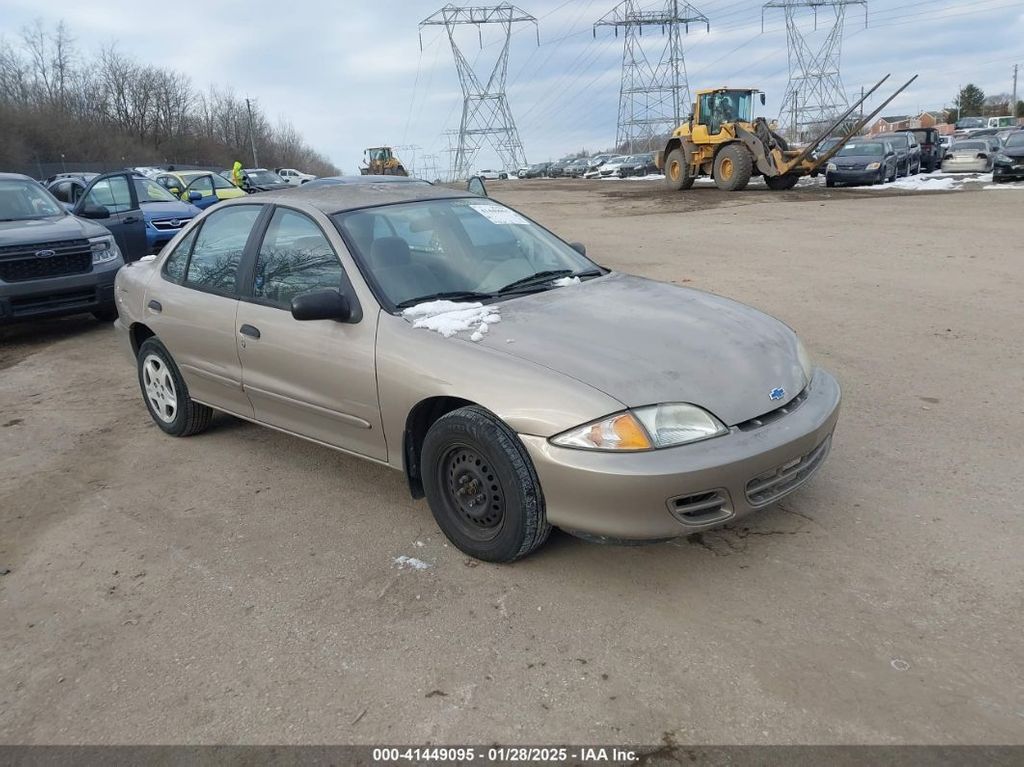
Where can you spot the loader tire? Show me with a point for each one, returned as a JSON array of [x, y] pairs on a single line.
[[781, 183], [733, 168], [677, 171]]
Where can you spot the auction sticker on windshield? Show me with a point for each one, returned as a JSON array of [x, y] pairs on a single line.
[[496, 214]]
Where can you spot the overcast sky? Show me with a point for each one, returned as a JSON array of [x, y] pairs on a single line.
[[350, 74]]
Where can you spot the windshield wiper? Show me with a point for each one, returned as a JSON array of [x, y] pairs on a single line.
[[547, 276], [450, 295]]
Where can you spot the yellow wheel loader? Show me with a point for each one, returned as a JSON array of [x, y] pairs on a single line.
[[723, 140], [381, 161]]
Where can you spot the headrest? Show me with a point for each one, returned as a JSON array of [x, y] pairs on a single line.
[[389, 252]]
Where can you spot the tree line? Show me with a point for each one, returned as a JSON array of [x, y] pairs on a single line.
[[58, 102], [971, 101]]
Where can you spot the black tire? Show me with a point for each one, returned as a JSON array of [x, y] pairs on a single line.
[[828, 182], [783, 183], [502, 516], [677, 171], [106, 314], [733, 168], [894, 175], [188, 417]]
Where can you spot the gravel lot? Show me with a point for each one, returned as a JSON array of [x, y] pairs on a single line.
[[240, 586]]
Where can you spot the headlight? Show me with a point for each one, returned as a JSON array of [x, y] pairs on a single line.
[[104, 249], [1002, 159], [874, 166], [645, 428], [805, 361], [831, 166]]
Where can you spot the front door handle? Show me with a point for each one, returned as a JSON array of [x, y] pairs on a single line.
[[130, 220], [155, 305], [249, 330]]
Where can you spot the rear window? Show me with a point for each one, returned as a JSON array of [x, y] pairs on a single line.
[[962, 146]]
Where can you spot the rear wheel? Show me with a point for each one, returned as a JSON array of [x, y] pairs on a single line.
[[733, 168], [677, 171], [782, 183], [481, 486]]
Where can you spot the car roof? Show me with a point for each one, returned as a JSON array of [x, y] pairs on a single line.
[[338, 198], [15, 176]]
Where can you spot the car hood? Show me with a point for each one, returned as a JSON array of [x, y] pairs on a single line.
[[645, 342], [1016, 152], [48, 230], [170, 210]]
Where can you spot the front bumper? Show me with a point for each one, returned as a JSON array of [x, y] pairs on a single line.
[[57, 296], [677, 491], [845, 176], [1008, 172]]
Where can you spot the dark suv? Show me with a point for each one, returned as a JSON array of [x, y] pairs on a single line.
[[931, 149], [52, 262], [908, 152]]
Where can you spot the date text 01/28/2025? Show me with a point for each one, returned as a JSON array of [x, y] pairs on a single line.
[[500, 754]]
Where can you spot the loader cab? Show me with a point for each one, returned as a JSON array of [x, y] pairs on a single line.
[[718, 107]]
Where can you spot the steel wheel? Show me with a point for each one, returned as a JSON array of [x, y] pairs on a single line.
[[727, 168], [160, 389], [472, 492]]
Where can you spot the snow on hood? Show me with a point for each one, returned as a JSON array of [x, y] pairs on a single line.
[[451, 317]]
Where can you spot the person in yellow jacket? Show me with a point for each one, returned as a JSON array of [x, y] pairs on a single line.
[[236, 174]]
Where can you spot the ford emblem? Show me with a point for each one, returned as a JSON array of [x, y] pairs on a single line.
[[45, 253], [776, 394]]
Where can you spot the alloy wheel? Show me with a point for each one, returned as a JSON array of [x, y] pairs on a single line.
[[160, 390]]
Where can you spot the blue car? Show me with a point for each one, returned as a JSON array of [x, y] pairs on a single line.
[[164, 213]]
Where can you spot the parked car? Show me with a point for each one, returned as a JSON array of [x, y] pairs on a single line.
[[577, 168], [492, 175], [163, 213], [556, 169], [945, 142], [51, 262], [537, 171], [611, 168], [360, 179], [294, 177], [522, 171], [862, 162], [969, 156], [1009, 163], [908, 152], [965, 126], [202, 188], [825, 146], [260, 180], [263, 305], [931, 148], [68, 187], [638, 165]]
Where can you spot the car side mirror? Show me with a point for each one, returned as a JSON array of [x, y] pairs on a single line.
[[93, 211], [194, 196], [476, 186], [579, 247], [324, 304]]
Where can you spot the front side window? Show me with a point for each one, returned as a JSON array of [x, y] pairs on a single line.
[[295, 257], [456, 246], [203, 185], [111, 193], [174, 266], [218, 248]]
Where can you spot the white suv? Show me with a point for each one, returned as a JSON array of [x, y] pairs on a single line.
[[294, 177]]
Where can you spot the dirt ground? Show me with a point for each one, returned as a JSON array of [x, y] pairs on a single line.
[[240, 586]]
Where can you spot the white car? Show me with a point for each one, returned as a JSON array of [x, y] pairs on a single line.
[[611, 168], [492, 175], [294, 177]]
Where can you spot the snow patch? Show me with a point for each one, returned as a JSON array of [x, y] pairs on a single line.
[[564, 282], [451, 317], [410, 563]]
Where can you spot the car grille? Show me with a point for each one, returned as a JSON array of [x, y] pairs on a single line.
[[26, 306], [170, 224], [705, 508], [772, 485], [774, 415], [19, 263]]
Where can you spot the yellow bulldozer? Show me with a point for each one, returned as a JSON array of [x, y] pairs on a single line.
[[381, 161], [723, 140]]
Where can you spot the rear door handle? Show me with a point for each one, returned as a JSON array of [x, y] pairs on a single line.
[[249, 330], [155, 305]]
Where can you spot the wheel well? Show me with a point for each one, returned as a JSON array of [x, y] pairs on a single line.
[[417, 424], [673, 143], [139, 333]]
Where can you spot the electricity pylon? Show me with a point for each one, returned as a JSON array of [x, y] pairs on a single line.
[[653, 98], [815, 92], [486, 115]]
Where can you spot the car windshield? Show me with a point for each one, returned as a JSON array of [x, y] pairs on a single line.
[[970, 122], [468, 248], [869, 148], [1015, 139], [263, 177], [150, 191], [23, 200]]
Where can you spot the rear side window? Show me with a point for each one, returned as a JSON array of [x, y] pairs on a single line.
[[174, 266], [218, 248], [294, 257]]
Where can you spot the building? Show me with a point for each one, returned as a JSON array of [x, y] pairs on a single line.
[[890, 124]]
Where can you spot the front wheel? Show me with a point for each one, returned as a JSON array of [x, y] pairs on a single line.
[[733, 168], [482, 487], [677, 171], [166, 395]]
